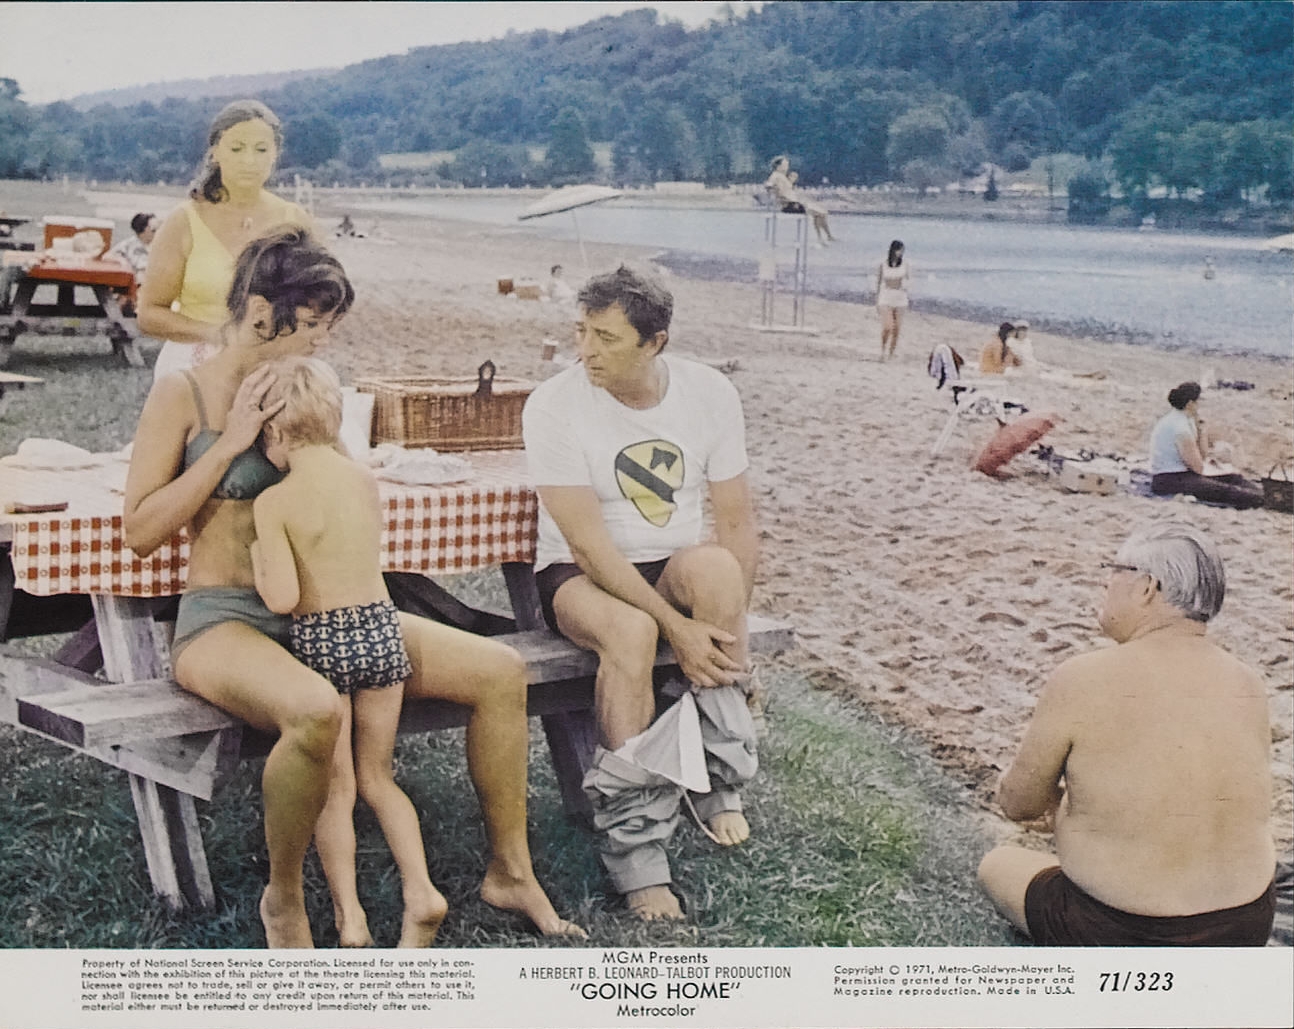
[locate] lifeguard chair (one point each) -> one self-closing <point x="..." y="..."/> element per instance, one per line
<point x="795" y="238"/>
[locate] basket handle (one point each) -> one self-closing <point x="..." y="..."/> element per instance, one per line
<point x="485" y="378"/>
<point x="1285" y="475"/>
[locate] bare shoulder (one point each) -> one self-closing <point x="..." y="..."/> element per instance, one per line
<point x="1075" y="678"/>
<point x="298" y="215"/>
<point x="362" y="478"/>
<point x="1249" y="680"/>
<point x="170" y="399"/>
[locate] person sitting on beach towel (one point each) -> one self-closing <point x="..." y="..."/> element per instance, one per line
<point x="1179" y="445"/>
<point x="622" y="449"/>
<point x="997" y="356"/>
<point x="1151" y="760"/>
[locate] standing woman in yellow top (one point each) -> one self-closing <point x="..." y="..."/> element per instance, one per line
<point x="191" y="263"/>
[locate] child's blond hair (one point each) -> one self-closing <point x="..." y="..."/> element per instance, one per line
<point x="311" y="392"/>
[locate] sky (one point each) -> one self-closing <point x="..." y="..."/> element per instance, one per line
<point x="56" y="51"/>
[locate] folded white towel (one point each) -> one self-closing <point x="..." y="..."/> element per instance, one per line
<point x="420" y="467"/>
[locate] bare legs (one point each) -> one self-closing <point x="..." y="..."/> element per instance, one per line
<point x="891" y="321"/>
<point x="705" y="581"/>
<point x="368" y="771"/>
<point x="490" y="679"/>
<point x="335" y="842"/>
<point x="377" y="713"/>
<point x="1005" y="874"/>
<point x="818" y="214"/>
<point x="252" y="677"/>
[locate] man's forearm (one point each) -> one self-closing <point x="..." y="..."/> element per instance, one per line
<point x="1024" y="804"/>
<point x="742" y="541"/>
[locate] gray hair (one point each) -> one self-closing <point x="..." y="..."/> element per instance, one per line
<point x="1186" y="563"/>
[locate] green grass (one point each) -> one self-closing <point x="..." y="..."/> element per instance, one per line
<point x="859" y="839"/>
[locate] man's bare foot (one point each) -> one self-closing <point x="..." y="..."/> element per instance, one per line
<point x="654" y="902"/>
<point x="352" y="929"/>
<point x="525" y="896"/>
<point x="422" y="918"/>
<point x="729" y="828"/>
<point x="286" y="924"/>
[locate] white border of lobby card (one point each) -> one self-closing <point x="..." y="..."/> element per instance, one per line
<point x="1004" y="988"/>
<point x="672" y="986"/>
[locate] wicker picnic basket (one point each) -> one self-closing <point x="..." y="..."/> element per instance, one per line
<point x="482" y="413"/>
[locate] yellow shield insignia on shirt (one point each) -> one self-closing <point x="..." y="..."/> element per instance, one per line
<point x="648" y="473"/>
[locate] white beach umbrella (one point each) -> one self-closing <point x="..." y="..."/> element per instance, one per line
<point x="568" y="198"/>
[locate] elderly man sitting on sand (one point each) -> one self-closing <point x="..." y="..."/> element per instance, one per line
<point x="1152" y="759"/>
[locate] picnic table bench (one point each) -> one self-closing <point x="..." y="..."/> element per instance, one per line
<point x="176" y="747"/>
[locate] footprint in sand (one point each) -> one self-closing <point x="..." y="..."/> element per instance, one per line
<point x="1001" y="616"/>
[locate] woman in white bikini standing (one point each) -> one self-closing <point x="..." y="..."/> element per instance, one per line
<point x="191" y="262"/>
<point x="892" y="296"/>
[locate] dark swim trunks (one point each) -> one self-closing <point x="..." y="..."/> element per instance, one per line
<point x="1060" y="914"/>
<point x="552" y="577"/>
<point x="354" y="648"/>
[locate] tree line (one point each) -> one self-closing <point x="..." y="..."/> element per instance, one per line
<point x="1194" y="97"/>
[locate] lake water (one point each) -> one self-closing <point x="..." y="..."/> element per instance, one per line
<point x="1118" y="284"/>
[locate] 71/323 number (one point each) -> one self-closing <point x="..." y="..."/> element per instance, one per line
<point x="1117" y="982"/>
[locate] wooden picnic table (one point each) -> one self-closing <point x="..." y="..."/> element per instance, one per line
<point x="69" y="571"/>
<point x="111" y="284"/>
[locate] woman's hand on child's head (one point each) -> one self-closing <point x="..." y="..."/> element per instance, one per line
<point x="247" y="415"/>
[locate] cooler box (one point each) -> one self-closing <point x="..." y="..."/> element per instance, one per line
<point x="1088" y="477"/>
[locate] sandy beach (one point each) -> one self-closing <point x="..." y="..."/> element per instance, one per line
<point x="941" y="597"/>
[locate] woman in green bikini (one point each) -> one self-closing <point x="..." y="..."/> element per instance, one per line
<point x="195" y="464"/>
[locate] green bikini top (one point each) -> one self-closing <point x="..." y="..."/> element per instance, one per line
<point x="248" y="475"/>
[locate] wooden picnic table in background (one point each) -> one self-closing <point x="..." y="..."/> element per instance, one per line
<point x="112" y="285"/>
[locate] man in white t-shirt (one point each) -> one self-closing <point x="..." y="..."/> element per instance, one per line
<point x="622" y="449"/>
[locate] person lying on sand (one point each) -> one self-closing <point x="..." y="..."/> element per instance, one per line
<point x="621" y="448"/>
<point x="1152" y="759"/>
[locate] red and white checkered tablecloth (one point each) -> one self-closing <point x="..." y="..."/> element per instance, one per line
<point x="487" y="520"/>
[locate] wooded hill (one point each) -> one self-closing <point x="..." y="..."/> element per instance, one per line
<point x="1193" y="96"/>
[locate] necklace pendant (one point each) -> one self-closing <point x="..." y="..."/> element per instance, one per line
<point x="247" y="223"/>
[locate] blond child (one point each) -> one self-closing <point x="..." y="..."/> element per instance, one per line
<point x="318" y="534"/>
